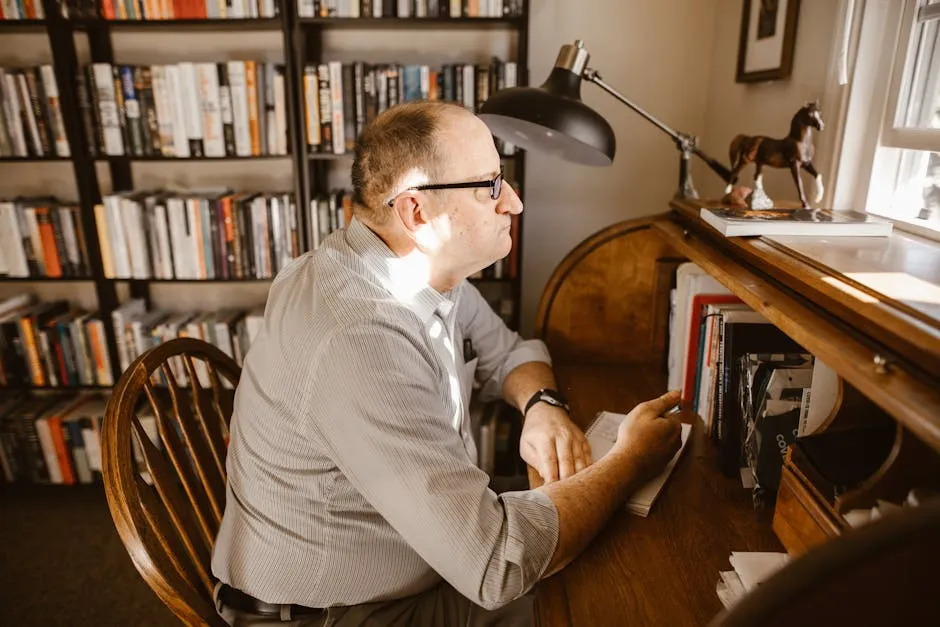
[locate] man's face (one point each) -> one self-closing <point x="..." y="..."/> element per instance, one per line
<point x="472" y="228"/>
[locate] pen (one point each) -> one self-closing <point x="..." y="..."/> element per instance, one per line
<point x="675" y="409"/>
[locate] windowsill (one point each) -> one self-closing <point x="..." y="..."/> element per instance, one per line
<point x="915" y="227"/>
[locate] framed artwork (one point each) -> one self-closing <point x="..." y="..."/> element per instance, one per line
<point x="768" y="33"/>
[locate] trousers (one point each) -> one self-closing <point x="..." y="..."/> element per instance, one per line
<point x="441" y="606"/>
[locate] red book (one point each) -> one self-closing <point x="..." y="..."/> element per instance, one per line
<point x="699" y="301"/>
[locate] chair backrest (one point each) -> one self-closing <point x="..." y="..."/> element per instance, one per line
<point x="885" y="573"/>
<point x="167" y="498"/>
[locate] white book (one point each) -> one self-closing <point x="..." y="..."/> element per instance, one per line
<point x="193" y="248"/>
<point x="51" y="89"/>
<point x="48" y="450"/>
<point x="134" y="232"/>
<point x="11" y="110"/>
<point x="312" y="105"/>
<point x="404" y="8"/>
<point x="31" y="228"/>
<point x="13" y="303"/>
<point x="815" y="222"/>
<point x="26" y="105"/>
<point x="119" y="317"/>
<point x="162" y="231"/>
<point x="11" y="242"/>
<point x="239" y="94"/>
<point x="176" y="223"/>
<point x="177" y="103"/>
<point x="107" y="109"/>
<point x="120" y="253"/>
<point x="164" y="110"/>
<point x="691" y="279"/>
<point x="189" y="90"/>
<point x="336" y="103"/>
<point x="469" y="86"/>
<point x="208" y="79"/>
<point x="279" y="128"/>
<point x="602" y="435"/>
<point x="511" y="73"/>
<point x="69" y="231"/>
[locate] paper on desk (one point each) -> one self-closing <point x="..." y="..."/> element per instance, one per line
<point x="602" y="434"/>
<point x="755" y="567"/>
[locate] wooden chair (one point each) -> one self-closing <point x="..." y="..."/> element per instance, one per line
<point x="168" y="520"/>
<point x="884" y="573"/>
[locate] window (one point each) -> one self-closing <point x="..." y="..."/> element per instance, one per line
<point x="899" y="121"/>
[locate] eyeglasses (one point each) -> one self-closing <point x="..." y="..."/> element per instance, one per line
<point x="495" y="185"/>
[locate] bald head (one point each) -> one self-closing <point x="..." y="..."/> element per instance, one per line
<point x="398" y="149"/>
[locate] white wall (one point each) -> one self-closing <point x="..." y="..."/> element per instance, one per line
<point x="657" y="53"/>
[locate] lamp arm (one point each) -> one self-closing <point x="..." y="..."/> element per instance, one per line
<point x="685" y="143"/>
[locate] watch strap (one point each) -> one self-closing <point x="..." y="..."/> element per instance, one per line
<point x="546" y="395"/>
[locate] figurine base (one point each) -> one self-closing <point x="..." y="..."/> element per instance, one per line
<point x="758" y="199"/>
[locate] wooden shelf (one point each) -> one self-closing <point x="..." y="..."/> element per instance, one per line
<point x="256" y="24"/>
<point x="328" y="156"/>
<point x="45" y="279"/>
<point x="192" y="280"/>
<point x="463" y="23"/>
<point x="55" y="388"/>
<point x="22" y="25"/>
<point x="131" y="158"/>
<point x="34" y="159"/>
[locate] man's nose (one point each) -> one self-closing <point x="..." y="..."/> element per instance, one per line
<point x="509" y="201"/>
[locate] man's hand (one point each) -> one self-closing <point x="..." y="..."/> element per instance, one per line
<point x="647" y="437"/>
<point x="552" y="444"/>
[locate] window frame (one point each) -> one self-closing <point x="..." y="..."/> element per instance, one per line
<point x="871" y="111"/>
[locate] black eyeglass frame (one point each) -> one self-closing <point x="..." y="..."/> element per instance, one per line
<point x="495" y="185"/>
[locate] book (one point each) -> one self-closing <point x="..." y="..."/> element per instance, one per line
<point x="602" y="434"/>
<point x="818" y="222"/>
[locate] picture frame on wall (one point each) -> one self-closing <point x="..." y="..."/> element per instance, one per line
<point x="768" y="35"/>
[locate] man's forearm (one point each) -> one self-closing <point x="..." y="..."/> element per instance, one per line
<point x="587" y="500"/>
<point x="525" y="380"/>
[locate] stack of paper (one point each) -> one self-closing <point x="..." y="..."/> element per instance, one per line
<point x="602" y="434"/>
<point x="750" y="569"/>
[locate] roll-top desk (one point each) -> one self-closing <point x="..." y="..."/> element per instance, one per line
<point x="604" y="315"/>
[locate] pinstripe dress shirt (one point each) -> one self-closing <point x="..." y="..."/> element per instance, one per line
<point x="352" y="473"/>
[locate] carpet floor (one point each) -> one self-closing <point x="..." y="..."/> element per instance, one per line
<point x="62" y="562"/>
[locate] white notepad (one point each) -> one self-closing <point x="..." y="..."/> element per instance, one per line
<point x="602" y="434"/>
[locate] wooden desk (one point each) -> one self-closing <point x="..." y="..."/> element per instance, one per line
<point x="604" y="315"/>
<point x="659" y="570"/>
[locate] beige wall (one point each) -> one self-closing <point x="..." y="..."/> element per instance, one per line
<point x="657" y="53"/>
<point x="766" y="108"/>
<point x="677" y="59"/>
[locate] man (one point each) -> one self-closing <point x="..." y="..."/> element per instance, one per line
<point x="352" y="483"/>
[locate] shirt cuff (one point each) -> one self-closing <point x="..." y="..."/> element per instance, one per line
<point x="533" y="533"/>
<point x="524" y="352"/>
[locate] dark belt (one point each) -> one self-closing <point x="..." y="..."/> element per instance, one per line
<point x="238" y="600"/>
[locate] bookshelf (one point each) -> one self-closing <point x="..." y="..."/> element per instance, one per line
<point x="302" y="42"/>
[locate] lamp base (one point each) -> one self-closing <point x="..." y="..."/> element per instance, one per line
<point x="686" y="187"/>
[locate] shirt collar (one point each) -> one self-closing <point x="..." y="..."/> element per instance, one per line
<point x="397" y="275"/>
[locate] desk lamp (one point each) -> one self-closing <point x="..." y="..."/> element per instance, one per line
<point x="552" y="119"/>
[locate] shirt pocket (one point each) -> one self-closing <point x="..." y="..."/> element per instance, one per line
<point x="466" y="382"/>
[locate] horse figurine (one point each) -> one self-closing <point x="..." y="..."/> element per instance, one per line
<point x="794" y="151"/>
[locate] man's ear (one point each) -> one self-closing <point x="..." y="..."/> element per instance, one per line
<point x="411" y="212"/>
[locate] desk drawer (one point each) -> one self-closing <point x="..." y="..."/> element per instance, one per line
<point x="800" y="520"/>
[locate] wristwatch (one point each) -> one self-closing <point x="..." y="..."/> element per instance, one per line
<point x="545" y="395"/>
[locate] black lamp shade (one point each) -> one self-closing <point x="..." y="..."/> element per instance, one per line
<point x="551" y="119"/>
